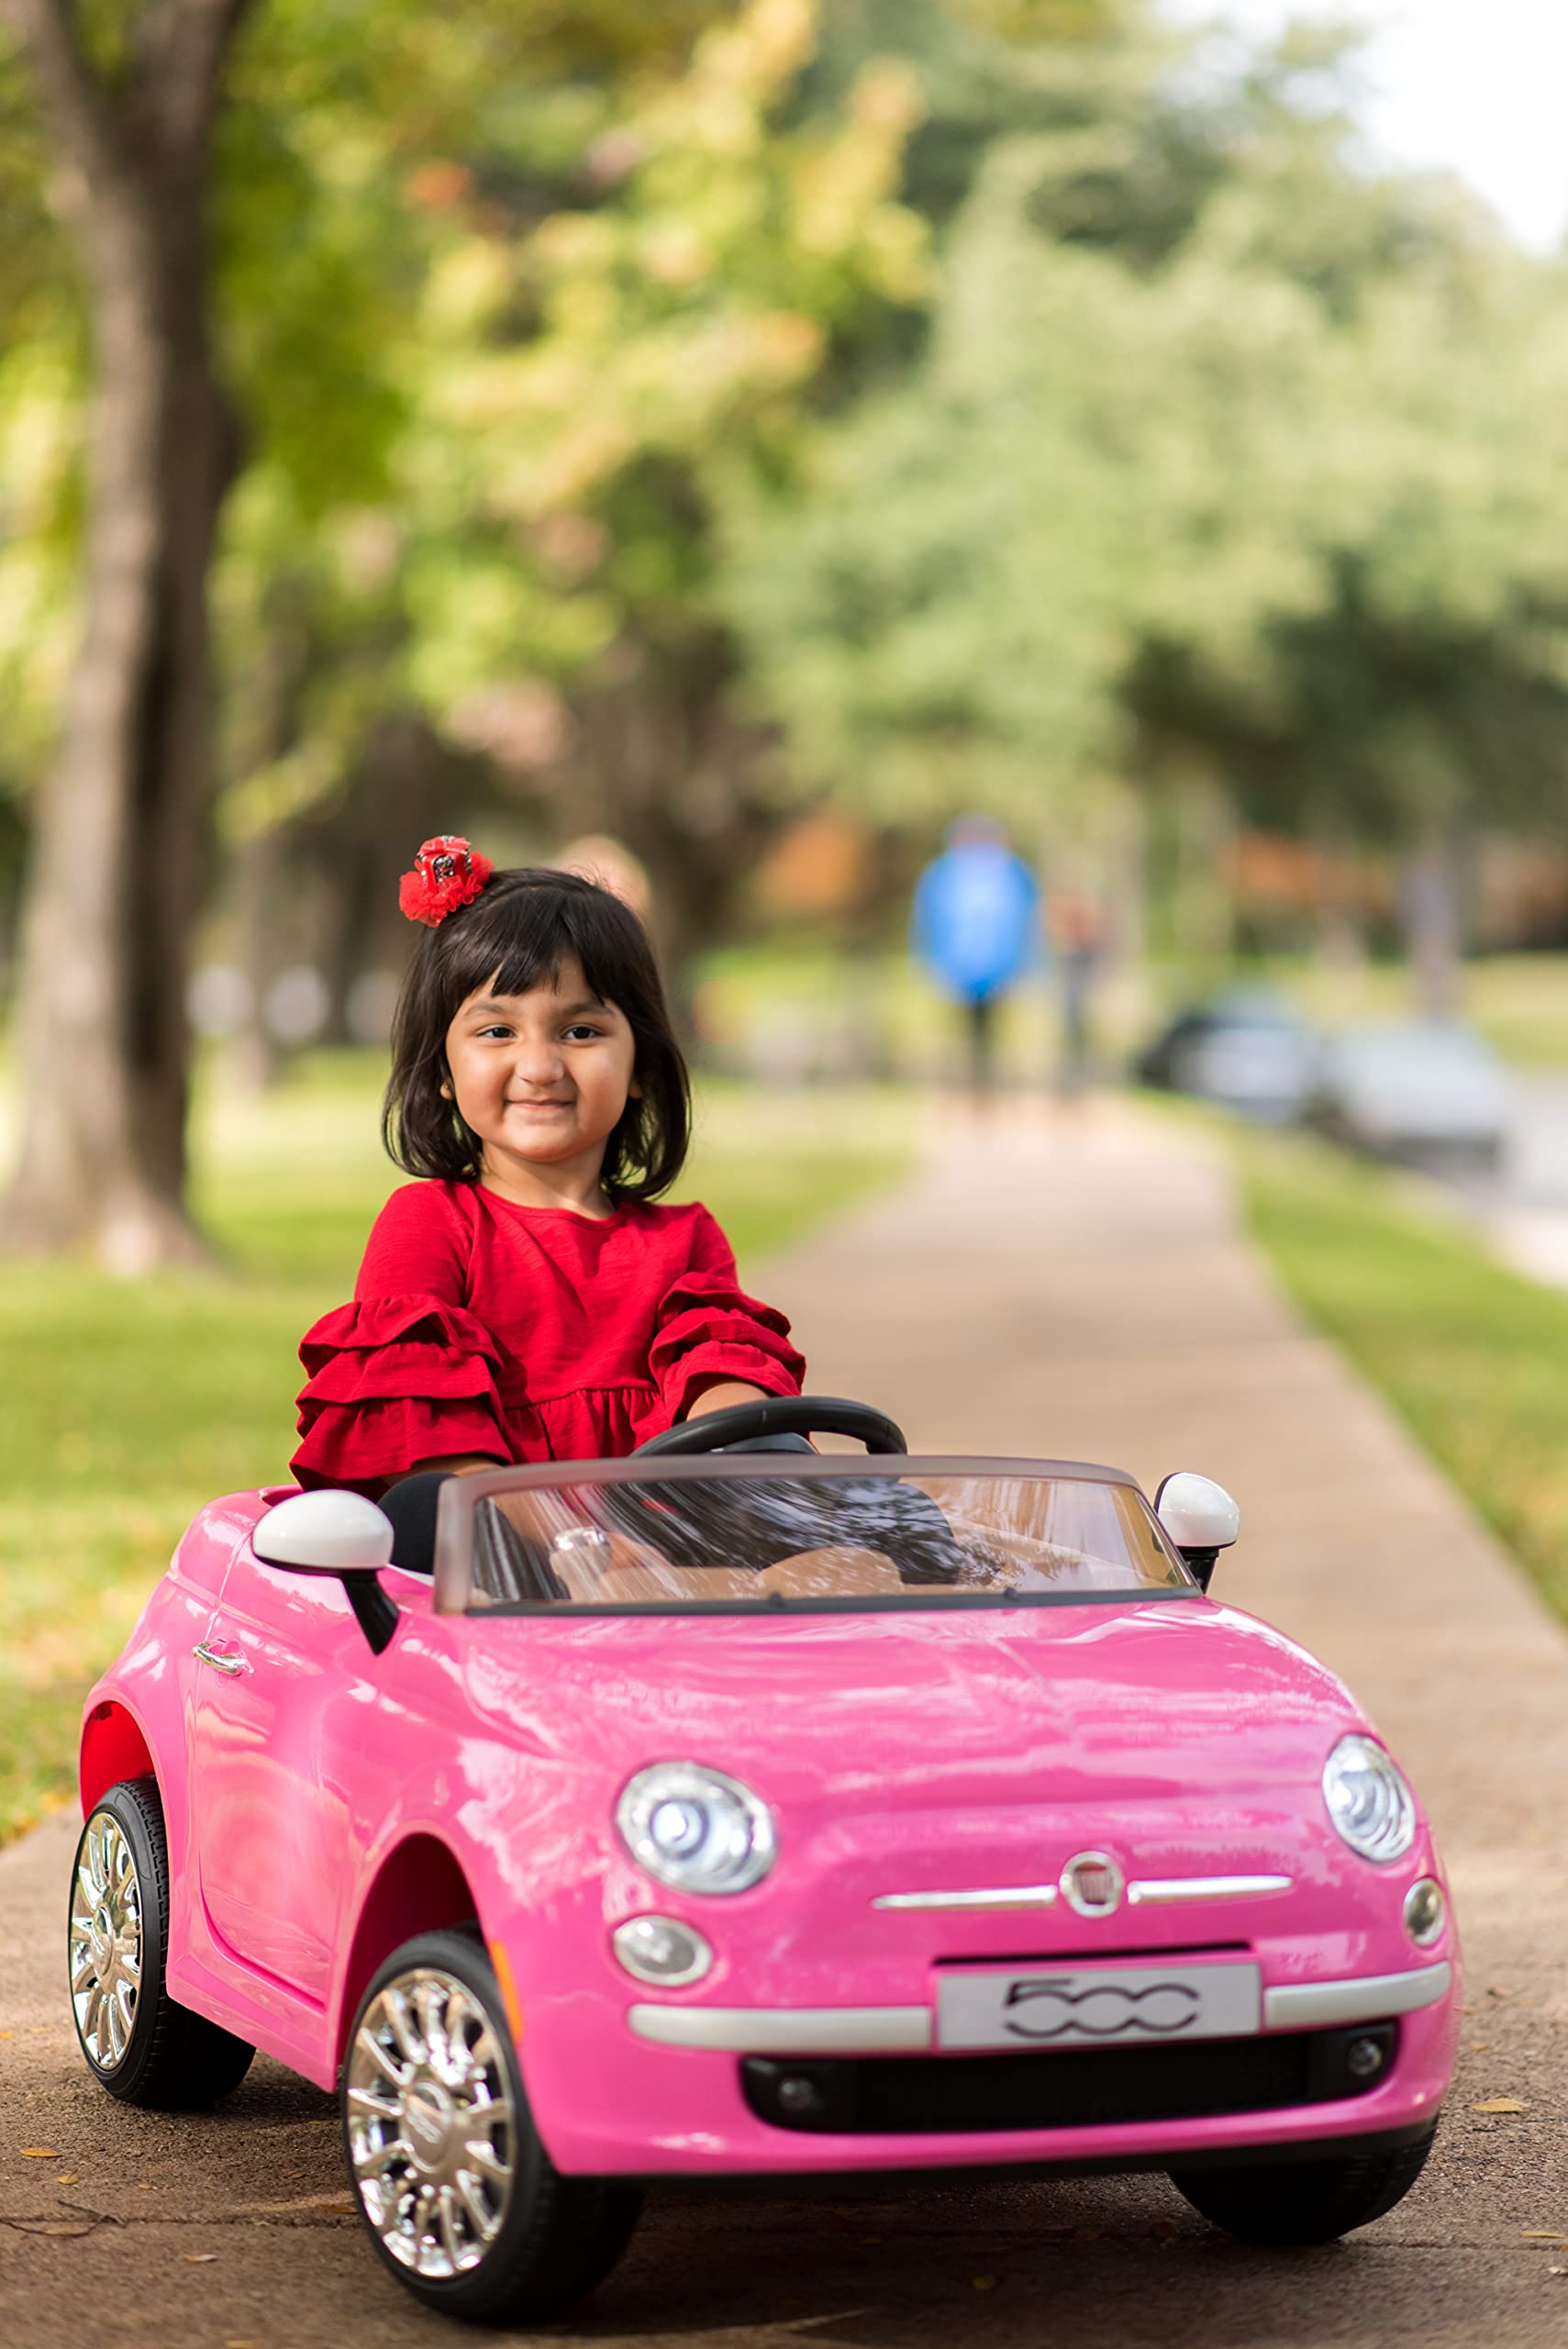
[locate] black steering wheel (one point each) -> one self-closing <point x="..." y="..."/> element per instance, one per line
<point x="742" y="1423"/>
<point x="757" y="1522"/>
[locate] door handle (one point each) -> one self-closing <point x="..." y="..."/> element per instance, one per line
<point x="228" y="1664"/>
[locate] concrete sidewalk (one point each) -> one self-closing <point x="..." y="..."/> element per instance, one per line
<point x="1070" y="1290"/>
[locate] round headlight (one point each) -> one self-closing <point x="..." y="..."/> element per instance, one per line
<point x="696" y="1830"/>
<point x="1368" y="1800"/>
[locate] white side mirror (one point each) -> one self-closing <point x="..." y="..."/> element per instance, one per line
<point x="1199" y="1517"/>
<point x="325" y="1533"/>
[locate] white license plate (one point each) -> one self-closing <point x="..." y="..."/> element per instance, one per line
<point x="1098" y="2005"/>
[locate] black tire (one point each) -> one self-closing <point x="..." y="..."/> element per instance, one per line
<point x="1307" y="2201"/>
<point x="533" y="2241"/>
<point x="138" y="2044"/>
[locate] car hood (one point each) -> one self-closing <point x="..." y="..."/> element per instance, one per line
<point x="1147" y="1701"/>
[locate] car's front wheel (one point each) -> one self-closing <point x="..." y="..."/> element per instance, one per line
<point x="459" y="2196"/>
<point x="139" y="2043"/>
<point x="1305" y="2201"/>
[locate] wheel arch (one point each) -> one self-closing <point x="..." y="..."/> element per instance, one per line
<point x="419" y="1887"/>
<point x="113" y="1747"/>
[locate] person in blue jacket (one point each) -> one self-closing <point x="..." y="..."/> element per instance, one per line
<point x="977" y="928"/>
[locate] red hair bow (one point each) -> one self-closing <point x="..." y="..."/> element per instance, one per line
<point x="447" y="873"/>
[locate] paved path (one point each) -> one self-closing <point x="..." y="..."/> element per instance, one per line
<point x="1078" y="1290"/>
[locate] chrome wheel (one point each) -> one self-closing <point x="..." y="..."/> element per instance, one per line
<point x="432" y="2135"/>
<point x="105" y="1941"/>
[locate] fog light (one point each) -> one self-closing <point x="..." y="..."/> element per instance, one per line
<point x="1364" y="2059"/>
<point x="663" y="1951"/>
<point x="1425" y="1911"/>
<point x="798" y="2095"/>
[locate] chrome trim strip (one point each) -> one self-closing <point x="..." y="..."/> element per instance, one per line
<point x="785" y="2031"/>
<point x="1147" y="1893"/>
<point x="1298" y="2005"/>
<point x="1017" y="1896"/>
<point x="867" y="2031"/>
<point x="1150" y="1890"/>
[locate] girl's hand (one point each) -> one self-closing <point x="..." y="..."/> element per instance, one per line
<point x="721" y="1395"/>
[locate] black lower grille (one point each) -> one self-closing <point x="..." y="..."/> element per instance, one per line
<point x="1069" y="2088"/>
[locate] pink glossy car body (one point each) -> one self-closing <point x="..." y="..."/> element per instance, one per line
<point x="324" y="1803"/>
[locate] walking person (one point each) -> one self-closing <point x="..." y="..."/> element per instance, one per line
<point x="976" y="927"/>
<point x="1078" y="936"/>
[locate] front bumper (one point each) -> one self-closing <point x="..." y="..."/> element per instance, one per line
<point x="671" y="2095"/>
<point x="875" y="2031"/>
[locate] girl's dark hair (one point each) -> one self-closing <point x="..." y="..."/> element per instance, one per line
<point x="516" y="935"/>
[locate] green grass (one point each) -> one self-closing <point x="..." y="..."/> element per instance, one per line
<point x="1473" y="1356"/>
<point x="130" y="1404"/>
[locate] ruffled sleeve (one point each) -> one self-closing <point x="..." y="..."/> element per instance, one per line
<point x="407" y="1371"/>
<point x="708" y="1328"/>
<point x="393" y="1381"/>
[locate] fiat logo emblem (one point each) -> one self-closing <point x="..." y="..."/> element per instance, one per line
<point x="1092" y="1883"/>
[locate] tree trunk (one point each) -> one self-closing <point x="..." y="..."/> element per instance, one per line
<point x="1430" y="897"/>
<point x="118" y="833"/>
<point x="662" y="764"/>
<point x="258" y="868"/>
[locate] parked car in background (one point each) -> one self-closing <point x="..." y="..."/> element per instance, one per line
<point x="1423" y="1090"/>
<point x="1249" y="1052"/>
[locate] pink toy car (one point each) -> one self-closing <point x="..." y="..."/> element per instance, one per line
<point x="765" y="1816"/>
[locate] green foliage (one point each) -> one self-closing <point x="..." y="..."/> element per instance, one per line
<point x="917" y="400"/>
<point x="1213" y="465"/>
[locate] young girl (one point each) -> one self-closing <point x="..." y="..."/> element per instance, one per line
<point x="525" y="1299"/>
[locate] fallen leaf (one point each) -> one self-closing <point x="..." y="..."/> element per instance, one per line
<point x="7" y="2034"/>
<point x="1544" y="2234"/>
<point x="69" y="2177"/>
<point x="1499" y="2104"/>
<point x="39" y="2154"/>
<point x="1557" y="2271"/>
<point x="198" y="2258"/>
<point x="983" y="2283"/>
<point x="49" y="2227"/>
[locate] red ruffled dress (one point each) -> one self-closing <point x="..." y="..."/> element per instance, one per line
<point x="480" y="1327"/>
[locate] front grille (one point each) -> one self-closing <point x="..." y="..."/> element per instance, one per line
<point x="1068" y="2088"/>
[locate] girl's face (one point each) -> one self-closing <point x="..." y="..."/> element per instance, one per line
<point x="543" y="1077"/>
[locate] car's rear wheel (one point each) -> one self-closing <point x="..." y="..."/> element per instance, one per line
<point x="459" y="2196"/>
<point x="1306" y="2201"/>
<point x="138" y="2042"/>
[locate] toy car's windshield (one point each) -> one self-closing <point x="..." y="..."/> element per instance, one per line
<point x="858" y="1533"/>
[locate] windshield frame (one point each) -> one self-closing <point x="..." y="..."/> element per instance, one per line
<point x="453" y="1591"/>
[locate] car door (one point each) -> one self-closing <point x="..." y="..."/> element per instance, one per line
<point x="283" y="1680"/>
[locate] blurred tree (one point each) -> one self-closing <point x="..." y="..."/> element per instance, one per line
<point x="129" y="97"/>
<point x="593" y="381"/>
<point x="1214" y="472"/>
